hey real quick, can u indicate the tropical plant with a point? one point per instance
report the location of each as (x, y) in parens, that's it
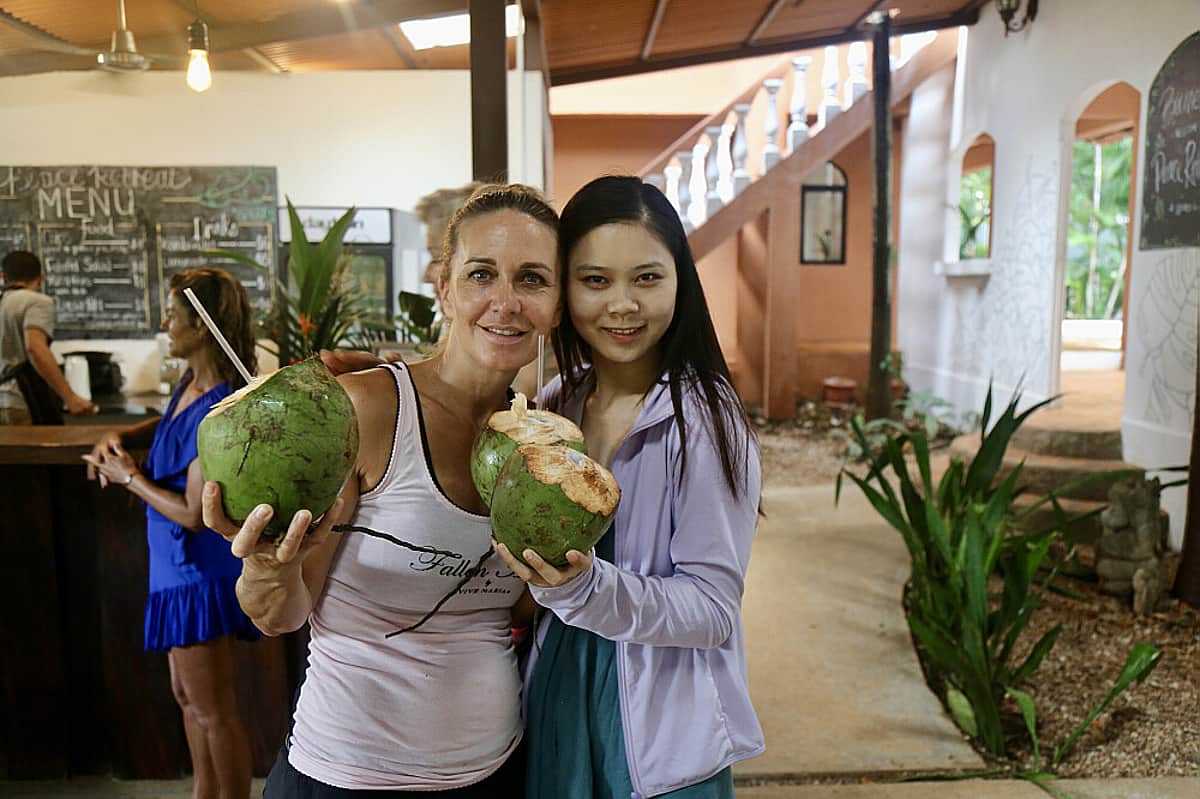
(1098, 229)
(960, 534)
(320, 307)
(975, 213)
(418, 320)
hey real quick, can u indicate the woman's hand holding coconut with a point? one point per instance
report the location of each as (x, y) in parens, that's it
(541, 573)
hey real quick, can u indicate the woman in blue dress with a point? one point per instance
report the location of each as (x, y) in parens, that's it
(192, 612)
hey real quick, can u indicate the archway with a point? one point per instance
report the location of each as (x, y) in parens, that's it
(1097, 241)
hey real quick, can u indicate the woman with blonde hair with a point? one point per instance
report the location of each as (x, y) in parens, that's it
(412, 683)
(192, 611)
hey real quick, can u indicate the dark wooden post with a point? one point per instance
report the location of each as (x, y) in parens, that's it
(1187, 582)
(489, 91)
(878, 386)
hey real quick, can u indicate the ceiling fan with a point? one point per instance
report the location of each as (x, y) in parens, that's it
(122, 55)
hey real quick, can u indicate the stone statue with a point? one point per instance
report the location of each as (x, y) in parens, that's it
(1131, 555)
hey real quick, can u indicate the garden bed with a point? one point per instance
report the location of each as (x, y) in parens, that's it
(1151, 730)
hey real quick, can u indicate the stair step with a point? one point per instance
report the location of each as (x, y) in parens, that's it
(1044, 473)
(1068, 443)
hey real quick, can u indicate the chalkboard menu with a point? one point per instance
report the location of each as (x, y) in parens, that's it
(109, 237)
(1171, 183)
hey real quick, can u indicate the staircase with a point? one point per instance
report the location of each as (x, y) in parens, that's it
(737, 175)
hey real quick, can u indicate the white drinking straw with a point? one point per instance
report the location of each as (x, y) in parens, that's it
(541, 368)
(212, 326)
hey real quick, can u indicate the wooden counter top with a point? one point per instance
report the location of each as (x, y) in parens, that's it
(49, 444)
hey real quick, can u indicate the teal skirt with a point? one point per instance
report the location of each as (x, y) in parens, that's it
(576, 745)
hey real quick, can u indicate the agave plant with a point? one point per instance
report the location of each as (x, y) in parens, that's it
(320, 308)
(960, 533)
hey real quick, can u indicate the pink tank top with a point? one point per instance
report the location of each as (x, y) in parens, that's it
(434, 708)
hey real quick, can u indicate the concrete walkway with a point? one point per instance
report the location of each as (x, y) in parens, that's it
(833, 674)
(1165, 788)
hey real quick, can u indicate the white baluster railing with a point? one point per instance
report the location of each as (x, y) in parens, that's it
(709, 165)
(771, 125)
(741, 178)
(712, 172)
(830, 78)
(797, 132)
(856, 84)
(685, 188)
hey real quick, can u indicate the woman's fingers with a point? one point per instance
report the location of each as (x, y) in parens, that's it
(245, 541)
(214, 512)
(289, 546)
(342, 361)
(518, 568)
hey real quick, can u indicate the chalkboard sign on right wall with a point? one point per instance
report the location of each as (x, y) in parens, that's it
(1171, 180)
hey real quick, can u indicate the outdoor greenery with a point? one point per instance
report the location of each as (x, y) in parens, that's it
(321, 307)
(975, 212)
(966, 536)
(418, 320)
(1099, 229)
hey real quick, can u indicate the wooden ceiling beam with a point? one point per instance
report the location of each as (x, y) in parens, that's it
(314, 24)
(562, 77)
(402, 46)
(764, 21)
(48, 40)
(254, 54)
(660, 8)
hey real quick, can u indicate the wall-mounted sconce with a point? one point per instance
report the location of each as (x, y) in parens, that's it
(1008, 13)
(199, 76)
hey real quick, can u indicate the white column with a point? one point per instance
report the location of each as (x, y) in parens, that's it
(830, 78)
(771, 127)
(685, 190)
(712, 172)
(797, 132)
(856, 85)
(741, 178)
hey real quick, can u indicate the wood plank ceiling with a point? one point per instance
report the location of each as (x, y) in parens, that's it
(583, 39)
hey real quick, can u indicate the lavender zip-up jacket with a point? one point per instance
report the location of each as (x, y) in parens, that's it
(672, 599)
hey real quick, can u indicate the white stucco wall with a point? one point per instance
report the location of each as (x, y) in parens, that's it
(370, 139)
(1025, 91)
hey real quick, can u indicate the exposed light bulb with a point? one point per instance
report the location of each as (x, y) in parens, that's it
(199, 76)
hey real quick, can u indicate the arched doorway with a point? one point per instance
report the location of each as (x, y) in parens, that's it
(1094, 277)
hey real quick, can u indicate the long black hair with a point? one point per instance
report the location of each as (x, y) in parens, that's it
(689, 354)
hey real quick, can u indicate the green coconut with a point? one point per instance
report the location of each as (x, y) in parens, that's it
(289, 439)
(507, 430)
(552, 499)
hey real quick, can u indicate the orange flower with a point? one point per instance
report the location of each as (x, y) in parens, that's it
(306, 325)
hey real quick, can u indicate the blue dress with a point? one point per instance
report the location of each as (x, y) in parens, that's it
(193, 575)
(576, 744)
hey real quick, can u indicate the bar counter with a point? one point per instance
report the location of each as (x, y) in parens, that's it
(80, 694)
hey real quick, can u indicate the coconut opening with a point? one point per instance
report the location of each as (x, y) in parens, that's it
(237, 396)
(585, 482)
(526, 426)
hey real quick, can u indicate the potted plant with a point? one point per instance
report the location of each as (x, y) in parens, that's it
(320, 307)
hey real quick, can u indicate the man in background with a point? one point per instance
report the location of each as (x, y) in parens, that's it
(26, 330)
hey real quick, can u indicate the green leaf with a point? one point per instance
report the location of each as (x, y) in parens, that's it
(1036, 655)
(1029, 714)
(1141, 661)
(961, 712)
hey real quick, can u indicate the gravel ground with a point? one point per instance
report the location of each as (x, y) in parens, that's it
(1151, 730)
